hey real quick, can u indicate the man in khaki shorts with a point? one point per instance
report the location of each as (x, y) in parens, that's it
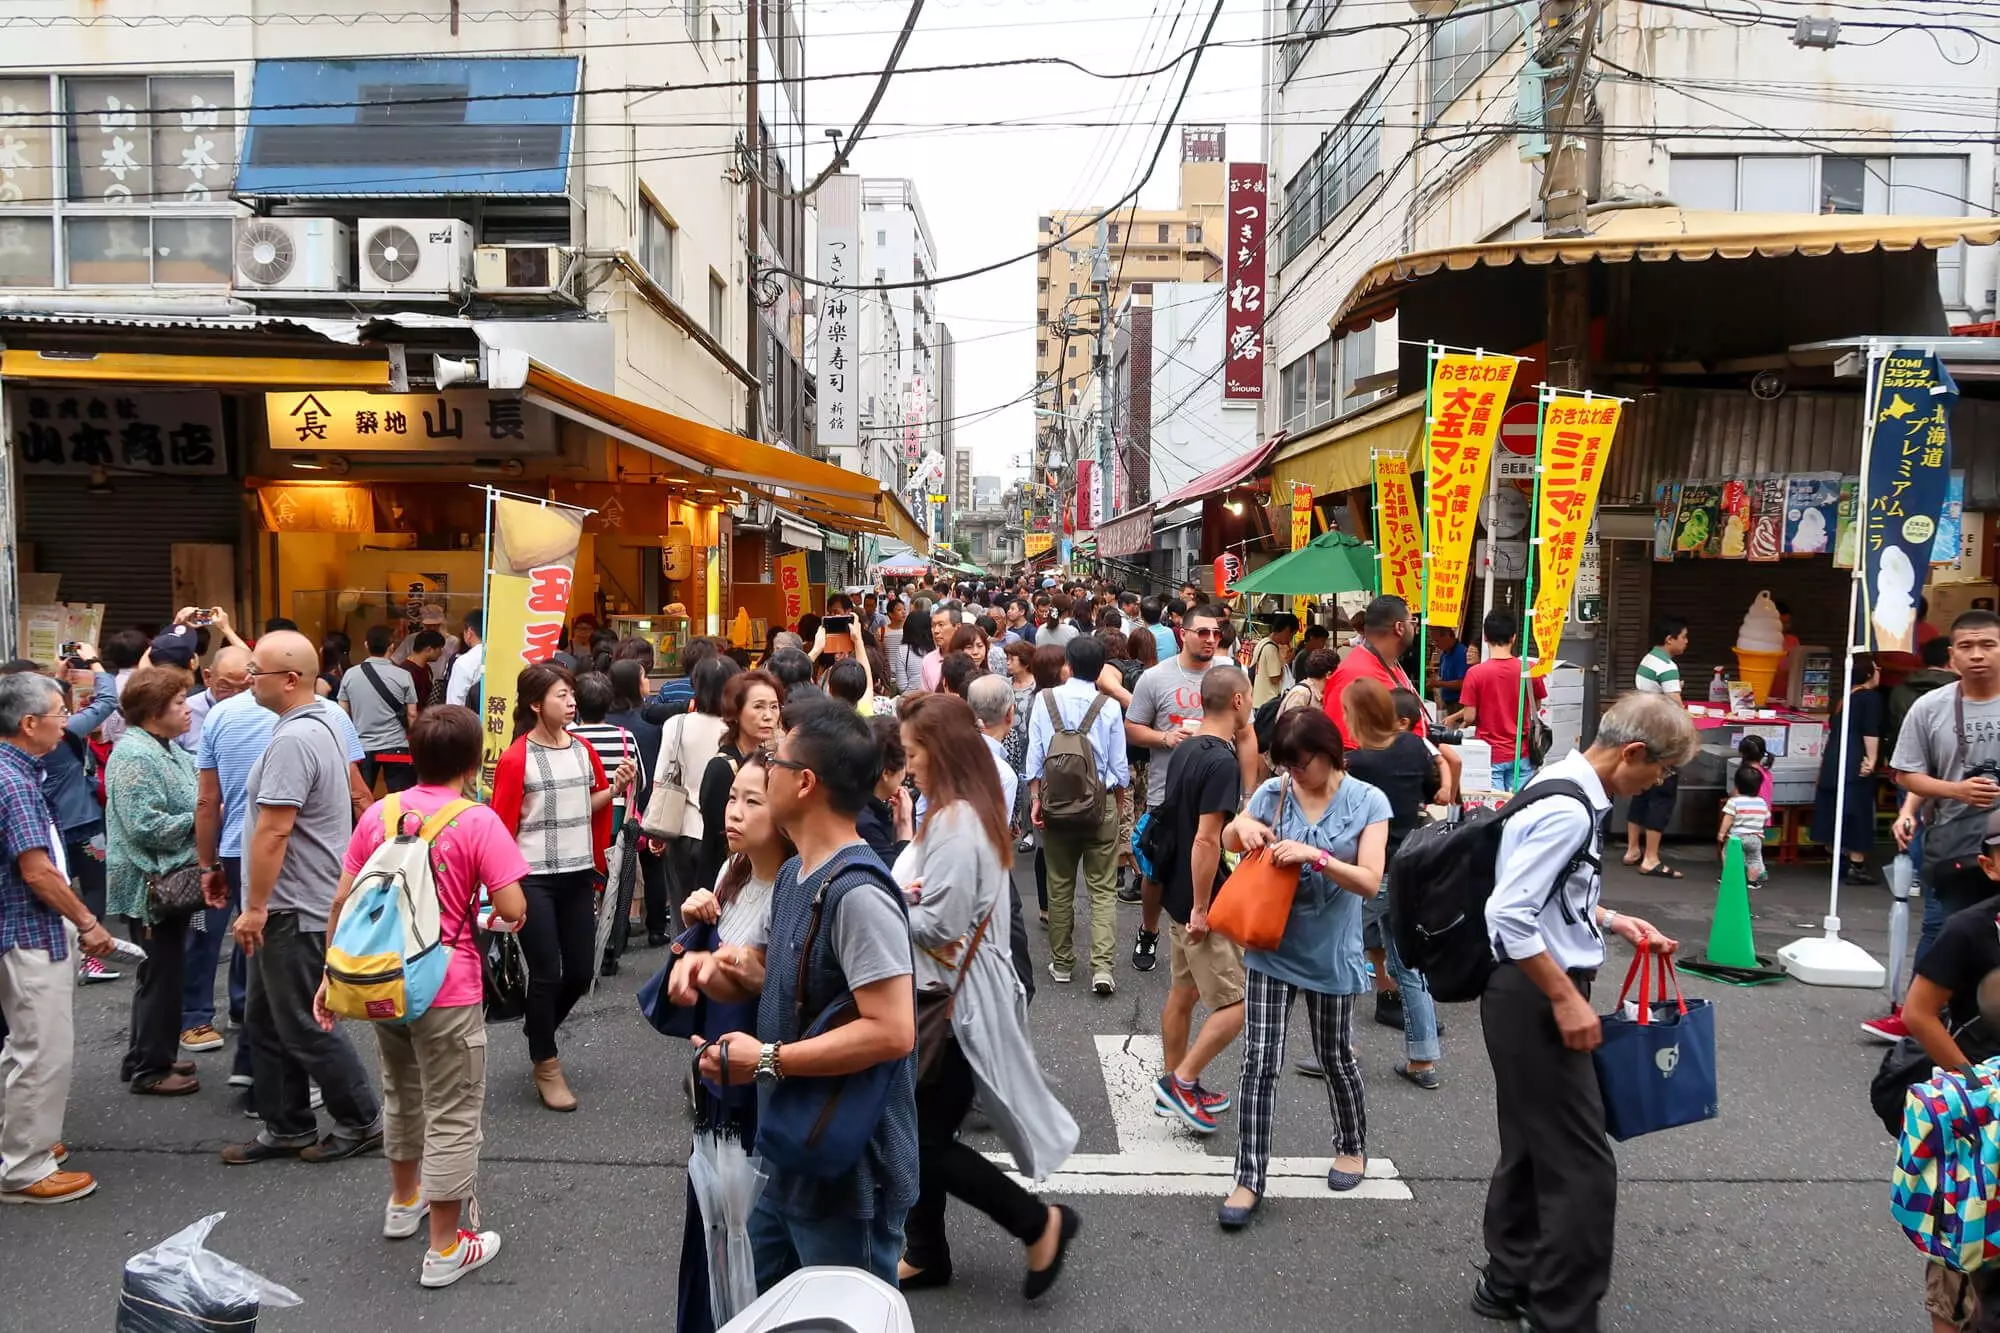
(1204, 790)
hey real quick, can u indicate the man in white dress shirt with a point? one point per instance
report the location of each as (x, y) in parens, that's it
(462, 686)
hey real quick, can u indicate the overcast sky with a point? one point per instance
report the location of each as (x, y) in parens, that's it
(983, 187)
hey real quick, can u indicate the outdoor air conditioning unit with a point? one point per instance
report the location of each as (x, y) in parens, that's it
(416, 256)
(522, 270)
(292, 255)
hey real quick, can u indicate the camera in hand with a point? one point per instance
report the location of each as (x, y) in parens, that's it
(1447, 735)
(1985, 768)
(839, 634)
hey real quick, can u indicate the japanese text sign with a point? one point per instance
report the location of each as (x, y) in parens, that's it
(77, 429)
(1904, 489)
(1468, 394)
(1302, 535)
(1400, 543)
(839, 400)
(1243, 269)
(532, 561)
(793, 593)
(1575, 445)
(1038, 543)
(469, 420)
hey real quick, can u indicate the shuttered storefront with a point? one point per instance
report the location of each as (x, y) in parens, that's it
(115, 547)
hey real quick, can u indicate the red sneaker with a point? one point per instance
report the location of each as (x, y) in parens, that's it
(1888, 1029)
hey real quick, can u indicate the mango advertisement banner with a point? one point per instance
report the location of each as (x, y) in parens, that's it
(791, 574)
(1399, 543)
(1468, 394)
(531, 565)
(1575, 444)
(1302, 535)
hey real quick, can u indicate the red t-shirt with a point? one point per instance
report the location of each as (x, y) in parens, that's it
(1360, 662)
(1494, 688)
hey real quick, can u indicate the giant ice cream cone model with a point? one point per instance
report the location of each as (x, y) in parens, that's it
(1760, 646)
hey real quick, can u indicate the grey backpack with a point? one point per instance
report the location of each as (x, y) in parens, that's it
(1072, 790)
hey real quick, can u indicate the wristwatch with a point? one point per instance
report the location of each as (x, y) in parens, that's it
(769, 1070)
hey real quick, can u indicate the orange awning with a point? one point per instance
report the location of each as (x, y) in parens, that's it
(222, 372)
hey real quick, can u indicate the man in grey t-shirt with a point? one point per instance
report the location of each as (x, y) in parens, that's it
(1955, 771)
(296, 828)
(381, 697)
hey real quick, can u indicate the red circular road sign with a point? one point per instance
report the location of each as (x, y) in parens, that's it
(1517, 429)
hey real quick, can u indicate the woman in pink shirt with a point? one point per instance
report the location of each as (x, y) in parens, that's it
(434, 1070)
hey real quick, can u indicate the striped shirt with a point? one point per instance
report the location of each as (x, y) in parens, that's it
(1748, 815)
(1658, 674)
(27, 825)
(614, 745)
(233, 737)
(555, 810)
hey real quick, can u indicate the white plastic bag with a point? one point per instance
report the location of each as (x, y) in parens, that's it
(182, 1286)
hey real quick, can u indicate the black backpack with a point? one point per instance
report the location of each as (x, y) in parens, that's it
(1438, 884)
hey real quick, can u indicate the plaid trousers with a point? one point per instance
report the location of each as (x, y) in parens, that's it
(1267, 1009)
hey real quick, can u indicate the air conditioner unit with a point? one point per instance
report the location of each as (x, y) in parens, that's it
(521, 270)
(415, 256)
(292, 255)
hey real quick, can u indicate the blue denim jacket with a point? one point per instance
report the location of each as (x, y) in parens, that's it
(64, 782)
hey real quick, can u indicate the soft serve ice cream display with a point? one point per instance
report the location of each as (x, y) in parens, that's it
(1894, 613)
(1760, 646)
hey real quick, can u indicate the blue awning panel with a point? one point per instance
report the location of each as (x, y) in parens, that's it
(410, 127)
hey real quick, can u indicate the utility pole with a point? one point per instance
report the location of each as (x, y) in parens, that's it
(1100, 283)
(1565, 201)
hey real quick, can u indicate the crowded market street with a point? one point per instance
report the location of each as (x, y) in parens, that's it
(1770, 1217)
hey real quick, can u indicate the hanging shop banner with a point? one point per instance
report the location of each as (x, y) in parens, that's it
(1302, 535)
(1767, 519)
(1038, 543)
(839, 400)
(1243, 319)
(1467, 396)
(532, 560)
(1576, 443)
(417, 423)
(76, 428)
(1906, 481)
(792, 589)
(1400, 543)
(1951, 523)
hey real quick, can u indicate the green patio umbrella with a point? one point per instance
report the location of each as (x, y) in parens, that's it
(1332, 562)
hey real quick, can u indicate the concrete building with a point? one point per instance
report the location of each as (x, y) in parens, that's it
(1170, 422)
(897, 250)
(986, 492)
(880, 451)
(1179, 244)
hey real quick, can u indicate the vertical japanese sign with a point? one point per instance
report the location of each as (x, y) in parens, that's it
(1400, 544)
(792, 590)
(1905, 485)
(839, 261)
(1468, 393)
(1576, 439)
(531, 561)
(1088, 501)
(1302, 533)
(1243, 319)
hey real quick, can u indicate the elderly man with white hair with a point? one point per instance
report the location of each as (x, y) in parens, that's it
(992, 701)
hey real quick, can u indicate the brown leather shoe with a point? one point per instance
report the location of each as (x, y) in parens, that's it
(552, 1087)
(59, 1151)
(166, 1085)
(61, 1187)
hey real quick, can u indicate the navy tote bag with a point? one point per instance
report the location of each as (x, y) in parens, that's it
(1656, 1068)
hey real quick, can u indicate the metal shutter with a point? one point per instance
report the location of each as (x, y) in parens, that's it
(1628, 630)
(113, 548)
(1714, 594)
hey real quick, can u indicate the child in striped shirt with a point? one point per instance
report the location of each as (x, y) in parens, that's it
(1744, 817)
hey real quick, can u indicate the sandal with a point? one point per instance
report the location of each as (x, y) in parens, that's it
(1661, 870)
(1631, 860)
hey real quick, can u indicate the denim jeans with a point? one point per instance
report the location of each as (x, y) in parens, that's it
(1509, 776)
(239, 971)
(1420, 1023)
(785, 1243)
(204, 951)
(1934, 913)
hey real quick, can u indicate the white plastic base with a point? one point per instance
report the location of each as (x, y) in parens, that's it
(1828, 960)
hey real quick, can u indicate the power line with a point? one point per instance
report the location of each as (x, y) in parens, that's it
(845, 147)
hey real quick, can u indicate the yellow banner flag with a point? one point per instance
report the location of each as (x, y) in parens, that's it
(1574, 445)
(1302, 535)
(1397, 540)
(1468, 394)
(792, 590)
(532, 562)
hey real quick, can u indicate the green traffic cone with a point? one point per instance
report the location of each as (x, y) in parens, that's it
(1732, 947)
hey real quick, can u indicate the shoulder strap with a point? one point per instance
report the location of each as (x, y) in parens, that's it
(436, 823)
(1055, 713)
(392, 816)
(395, 704)
(1090, 714)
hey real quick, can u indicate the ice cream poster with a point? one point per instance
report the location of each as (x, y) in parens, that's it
(1906, 481)
(1666, 512)
(1767, 519)
(1951, 523)
(1735, 534)
(1811, 501)
(1844, 529)
(1701, 514)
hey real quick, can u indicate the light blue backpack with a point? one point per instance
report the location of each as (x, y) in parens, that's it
(387, 958)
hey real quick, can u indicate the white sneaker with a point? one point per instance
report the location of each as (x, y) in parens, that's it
(1103, 984)
(1060, 973)
(401, 1220)
(475, 1250)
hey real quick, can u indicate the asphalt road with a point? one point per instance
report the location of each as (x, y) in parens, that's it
(1772, 1217)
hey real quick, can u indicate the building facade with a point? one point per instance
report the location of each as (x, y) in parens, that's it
(897, 251)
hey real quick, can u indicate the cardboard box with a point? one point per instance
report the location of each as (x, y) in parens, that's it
(1950, 600)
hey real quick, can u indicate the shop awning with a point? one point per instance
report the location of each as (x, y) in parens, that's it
(1127, 534)
(1218, 479)
(821, 491)
(268, 372)
(1337, 460)
(1652, 235)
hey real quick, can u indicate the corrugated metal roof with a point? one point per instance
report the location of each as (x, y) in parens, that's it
(186, 323)
(1712, 434)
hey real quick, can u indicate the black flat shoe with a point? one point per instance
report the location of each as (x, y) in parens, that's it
(937, 1275)
(1491, 1302)
(1040, 1280)
(1235, 1219)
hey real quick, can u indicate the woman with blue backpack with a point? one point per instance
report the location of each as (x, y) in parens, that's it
(434, 1066)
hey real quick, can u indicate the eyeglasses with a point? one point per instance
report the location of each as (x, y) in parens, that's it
(253, 671)
(1210, 633)
(773, 761)
(60, 712)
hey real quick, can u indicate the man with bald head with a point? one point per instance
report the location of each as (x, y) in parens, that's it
(297, 813)
(227, 678)
(230, 675)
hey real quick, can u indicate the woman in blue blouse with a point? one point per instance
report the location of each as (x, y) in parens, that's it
(1335, 829)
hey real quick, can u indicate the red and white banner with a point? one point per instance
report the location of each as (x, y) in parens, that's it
(1243, 272)
(1085, 519)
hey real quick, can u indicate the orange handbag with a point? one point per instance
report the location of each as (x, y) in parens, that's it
(1254, 904)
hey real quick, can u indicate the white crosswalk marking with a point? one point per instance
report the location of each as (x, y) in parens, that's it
(1162, 1156)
